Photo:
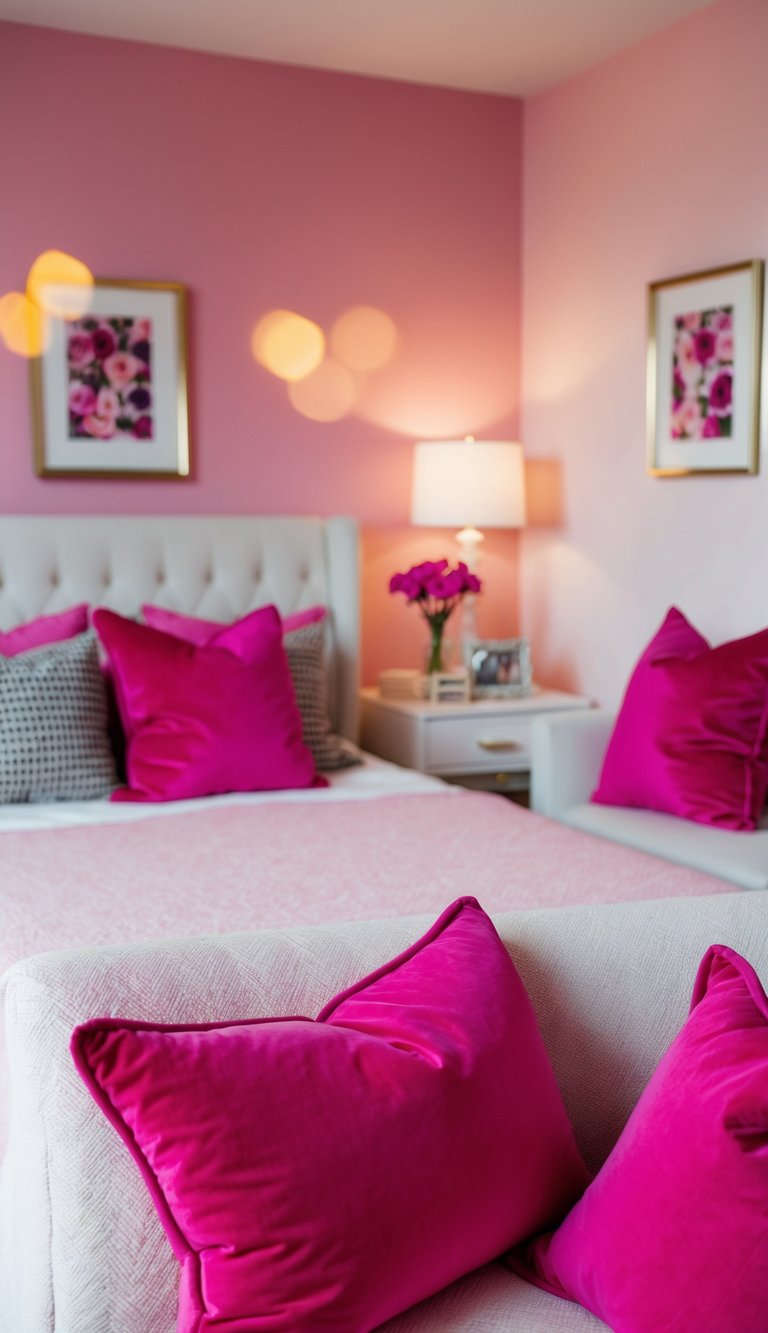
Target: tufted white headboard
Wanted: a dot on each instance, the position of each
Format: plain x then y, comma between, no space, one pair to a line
216,567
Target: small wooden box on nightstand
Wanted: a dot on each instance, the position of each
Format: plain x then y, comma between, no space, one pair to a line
480,743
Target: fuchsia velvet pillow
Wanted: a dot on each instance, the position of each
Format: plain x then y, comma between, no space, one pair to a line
673,1232
329,1174
204,720
304,639
691,738
45,629
200,632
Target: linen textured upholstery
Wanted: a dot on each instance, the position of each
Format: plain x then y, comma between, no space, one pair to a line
567,755
217,567
610,984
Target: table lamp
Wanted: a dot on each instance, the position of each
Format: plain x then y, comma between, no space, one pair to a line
474,484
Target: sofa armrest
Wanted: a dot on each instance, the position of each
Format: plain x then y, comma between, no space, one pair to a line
67,1181
566,755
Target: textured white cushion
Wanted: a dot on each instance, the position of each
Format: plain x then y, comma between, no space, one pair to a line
610,983
568,751
741,858
492,1300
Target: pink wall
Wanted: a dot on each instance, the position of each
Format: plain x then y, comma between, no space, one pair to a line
263,186
651,165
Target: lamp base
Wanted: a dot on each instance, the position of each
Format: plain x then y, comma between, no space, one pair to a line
469,540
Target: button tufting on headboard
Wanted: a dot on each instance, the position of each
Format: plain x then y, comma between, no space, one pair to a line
217,567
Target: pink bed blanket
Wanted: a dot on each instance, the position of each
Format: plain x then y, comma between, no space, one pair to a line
242,868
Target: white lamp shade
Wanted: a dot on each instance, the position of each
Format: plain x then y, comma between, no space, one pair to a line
477,483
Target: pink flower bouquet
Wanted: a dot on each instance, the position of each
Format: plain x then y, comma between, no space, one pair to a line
437,591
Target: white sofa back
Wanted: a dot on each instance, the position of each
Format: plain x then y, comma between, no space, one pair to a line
81,1248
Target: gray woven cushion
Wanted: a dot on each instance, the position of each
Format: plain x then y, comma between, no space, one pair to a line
53,724
305,648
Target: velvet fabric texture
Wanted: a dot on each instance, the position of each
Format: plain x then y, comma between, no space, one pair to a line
199,721
673,1232
45,629
304,641
691,736
200,632
330,1173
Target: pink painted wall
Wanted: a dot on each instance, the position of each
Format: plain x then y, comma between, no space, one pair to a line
652,164
263,186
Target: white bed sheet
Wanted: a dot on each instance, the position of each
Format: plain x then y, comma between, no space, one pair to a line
374,777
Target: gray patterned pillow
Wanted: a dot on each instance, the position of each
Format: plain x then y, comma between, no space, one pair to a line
305,648
54,744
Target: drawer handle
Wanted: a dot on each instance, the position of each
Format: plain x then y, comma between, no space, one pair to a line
497,746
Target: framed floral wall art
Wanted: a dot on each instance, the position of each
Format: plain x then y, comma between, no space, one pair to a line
704,349
109,392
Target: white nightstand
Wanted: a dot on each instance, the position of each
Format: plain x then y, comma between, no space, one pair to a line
483,744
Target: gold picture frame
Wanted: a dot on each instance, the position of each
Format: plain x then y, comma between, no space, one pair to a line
704,351
109,391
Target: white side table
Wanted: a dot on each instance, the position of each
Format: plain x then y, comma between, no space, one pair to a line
484,744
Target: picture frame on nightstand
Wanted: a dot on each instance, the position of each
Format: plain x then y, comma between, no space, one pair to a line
498,668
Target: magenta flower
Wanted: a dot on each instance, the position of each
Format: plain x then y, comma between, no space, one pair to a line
721,394
142,428
437,590
103,342
704,346
711,428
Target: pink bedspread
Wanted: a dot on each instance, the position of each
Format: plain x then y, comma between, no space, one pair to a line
240,868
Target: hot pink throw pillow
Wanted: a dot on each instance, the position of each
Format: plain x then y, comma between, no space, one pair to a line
45,629
691,736
198,631
204,720
330,1173
673,1232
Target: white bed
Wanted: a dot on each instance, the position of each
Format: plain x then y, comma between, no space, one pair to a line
377,841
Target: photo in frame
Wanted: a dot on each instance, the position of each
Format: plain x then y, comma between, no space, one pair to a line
704,352
498,667
109,391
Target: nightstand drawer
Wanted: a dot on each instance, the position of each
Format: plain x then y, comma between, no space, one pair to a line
481,744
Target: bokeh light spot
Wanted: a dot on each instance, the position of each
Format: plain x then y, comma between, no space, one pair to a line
364,338
288,345
60,284
328,394
22,327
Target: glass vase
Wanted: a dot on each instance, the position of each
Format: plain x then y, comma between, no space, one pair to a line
436,654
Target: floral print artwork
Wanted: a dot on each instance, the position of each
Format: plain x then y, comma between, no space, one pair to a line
109,367
702,375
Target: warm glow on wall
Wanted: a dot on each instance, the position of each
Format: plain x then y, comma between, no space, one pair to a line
60,285
288,345
364,338
22,327
328,394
